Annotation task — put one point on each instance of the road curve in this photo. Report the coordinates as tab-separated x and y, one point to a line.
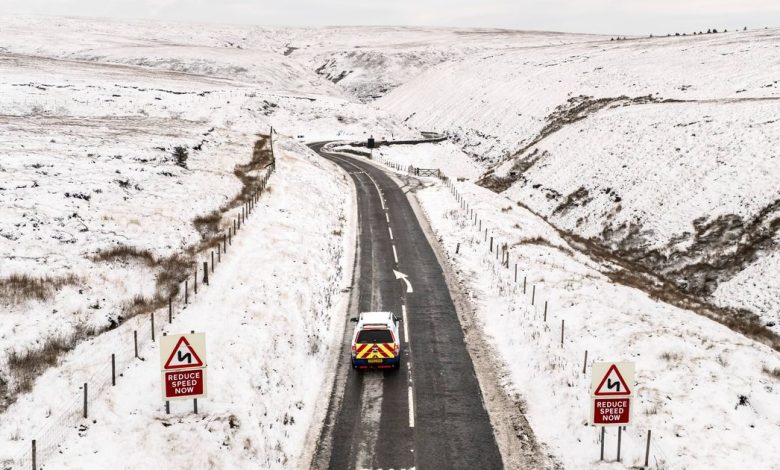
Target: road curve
430	414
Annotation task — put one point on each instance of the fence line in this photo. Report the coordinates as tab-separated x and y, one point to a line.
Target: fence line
540	326
133	335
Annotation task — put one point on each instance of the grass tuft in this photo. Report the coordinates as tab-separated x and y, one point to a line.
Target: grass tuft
18	288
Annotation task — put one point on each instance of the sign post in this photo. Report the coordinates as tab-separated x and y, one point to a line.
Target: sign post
183	366
612	392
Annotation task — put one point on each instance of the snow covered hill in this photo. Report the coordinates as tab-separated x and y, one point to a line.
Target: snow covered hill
663	150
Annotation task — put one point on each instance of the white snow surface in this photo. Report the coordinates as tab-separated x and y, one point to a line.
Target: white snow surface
700	143
272	314
691	371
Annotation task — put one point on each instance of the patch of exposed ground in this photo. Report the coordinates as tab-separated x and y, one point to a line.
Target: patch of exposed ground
25	367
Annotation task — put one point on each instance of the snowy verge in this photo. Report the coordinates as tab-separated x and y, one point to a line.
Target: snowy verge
271	316
701	387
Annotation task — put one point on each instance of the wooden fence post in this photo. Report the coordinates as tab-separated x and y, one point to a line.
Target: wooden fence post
170	308
186	291
135	342
212	260
585	363
620	432
85	400
533	294
524	279
113	369
491	244
545	310
647	449
34	456
563	324
206	273
152	316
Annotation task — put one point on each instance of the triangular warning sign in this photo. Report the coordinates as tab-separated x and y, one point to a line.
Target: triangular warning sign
612	385
183	356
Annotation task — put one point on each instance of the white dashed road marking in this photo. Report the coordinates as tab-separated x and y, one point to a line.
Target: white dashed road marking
406	324
411	408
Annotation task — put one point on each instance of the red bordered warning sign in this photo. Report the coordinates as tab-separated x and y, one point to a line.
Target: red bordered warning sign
183	356
183	364
612	390
613	384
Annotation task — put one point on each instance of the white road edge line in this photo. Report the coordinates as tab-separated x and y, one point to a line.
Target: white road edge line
387	217
395	255
391	232
406	324
411	408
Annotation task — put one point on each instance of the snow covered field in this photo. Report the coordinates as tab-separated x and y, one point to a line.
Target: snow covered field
703	390
267	337
664	146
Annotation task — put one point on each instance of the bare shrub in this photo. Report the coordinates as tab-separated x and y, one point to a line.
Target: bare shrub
671	357
181	154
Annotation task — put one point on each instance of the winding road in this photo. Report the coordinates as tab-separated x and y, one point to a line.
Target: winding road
429	414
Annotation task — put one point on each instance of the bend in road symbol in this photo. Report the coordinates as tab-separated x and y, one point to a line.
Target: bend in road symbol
612	384
183	356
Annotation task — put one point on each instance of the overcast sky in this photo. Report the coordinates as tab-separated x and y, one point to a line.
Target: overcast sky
598	16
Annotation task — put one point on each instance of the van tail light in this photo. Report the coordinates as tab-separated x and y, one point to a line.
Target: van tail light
396	348
354	350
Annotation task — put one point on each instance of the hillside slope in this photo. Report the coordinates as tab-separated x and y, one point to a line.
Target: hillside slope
661	150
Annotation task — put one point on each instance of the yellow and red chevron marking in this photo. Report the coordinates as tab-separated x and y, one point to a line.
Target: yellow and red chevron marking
374	351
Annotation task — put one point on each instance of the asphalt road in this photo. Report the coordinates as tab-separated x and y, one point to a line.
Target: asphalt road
429	414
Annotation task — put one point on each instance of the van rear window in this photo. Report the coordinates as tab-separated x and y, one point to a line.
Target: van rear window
375	336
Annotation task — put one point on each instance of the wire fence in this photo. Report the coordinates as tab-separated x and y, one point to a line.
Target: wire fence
539	325
130	342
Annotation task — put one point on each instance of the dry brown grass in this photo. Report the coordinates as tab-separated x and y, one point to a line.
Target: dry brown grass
125	253
25	366
208	225
774	373
19	288
671	357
